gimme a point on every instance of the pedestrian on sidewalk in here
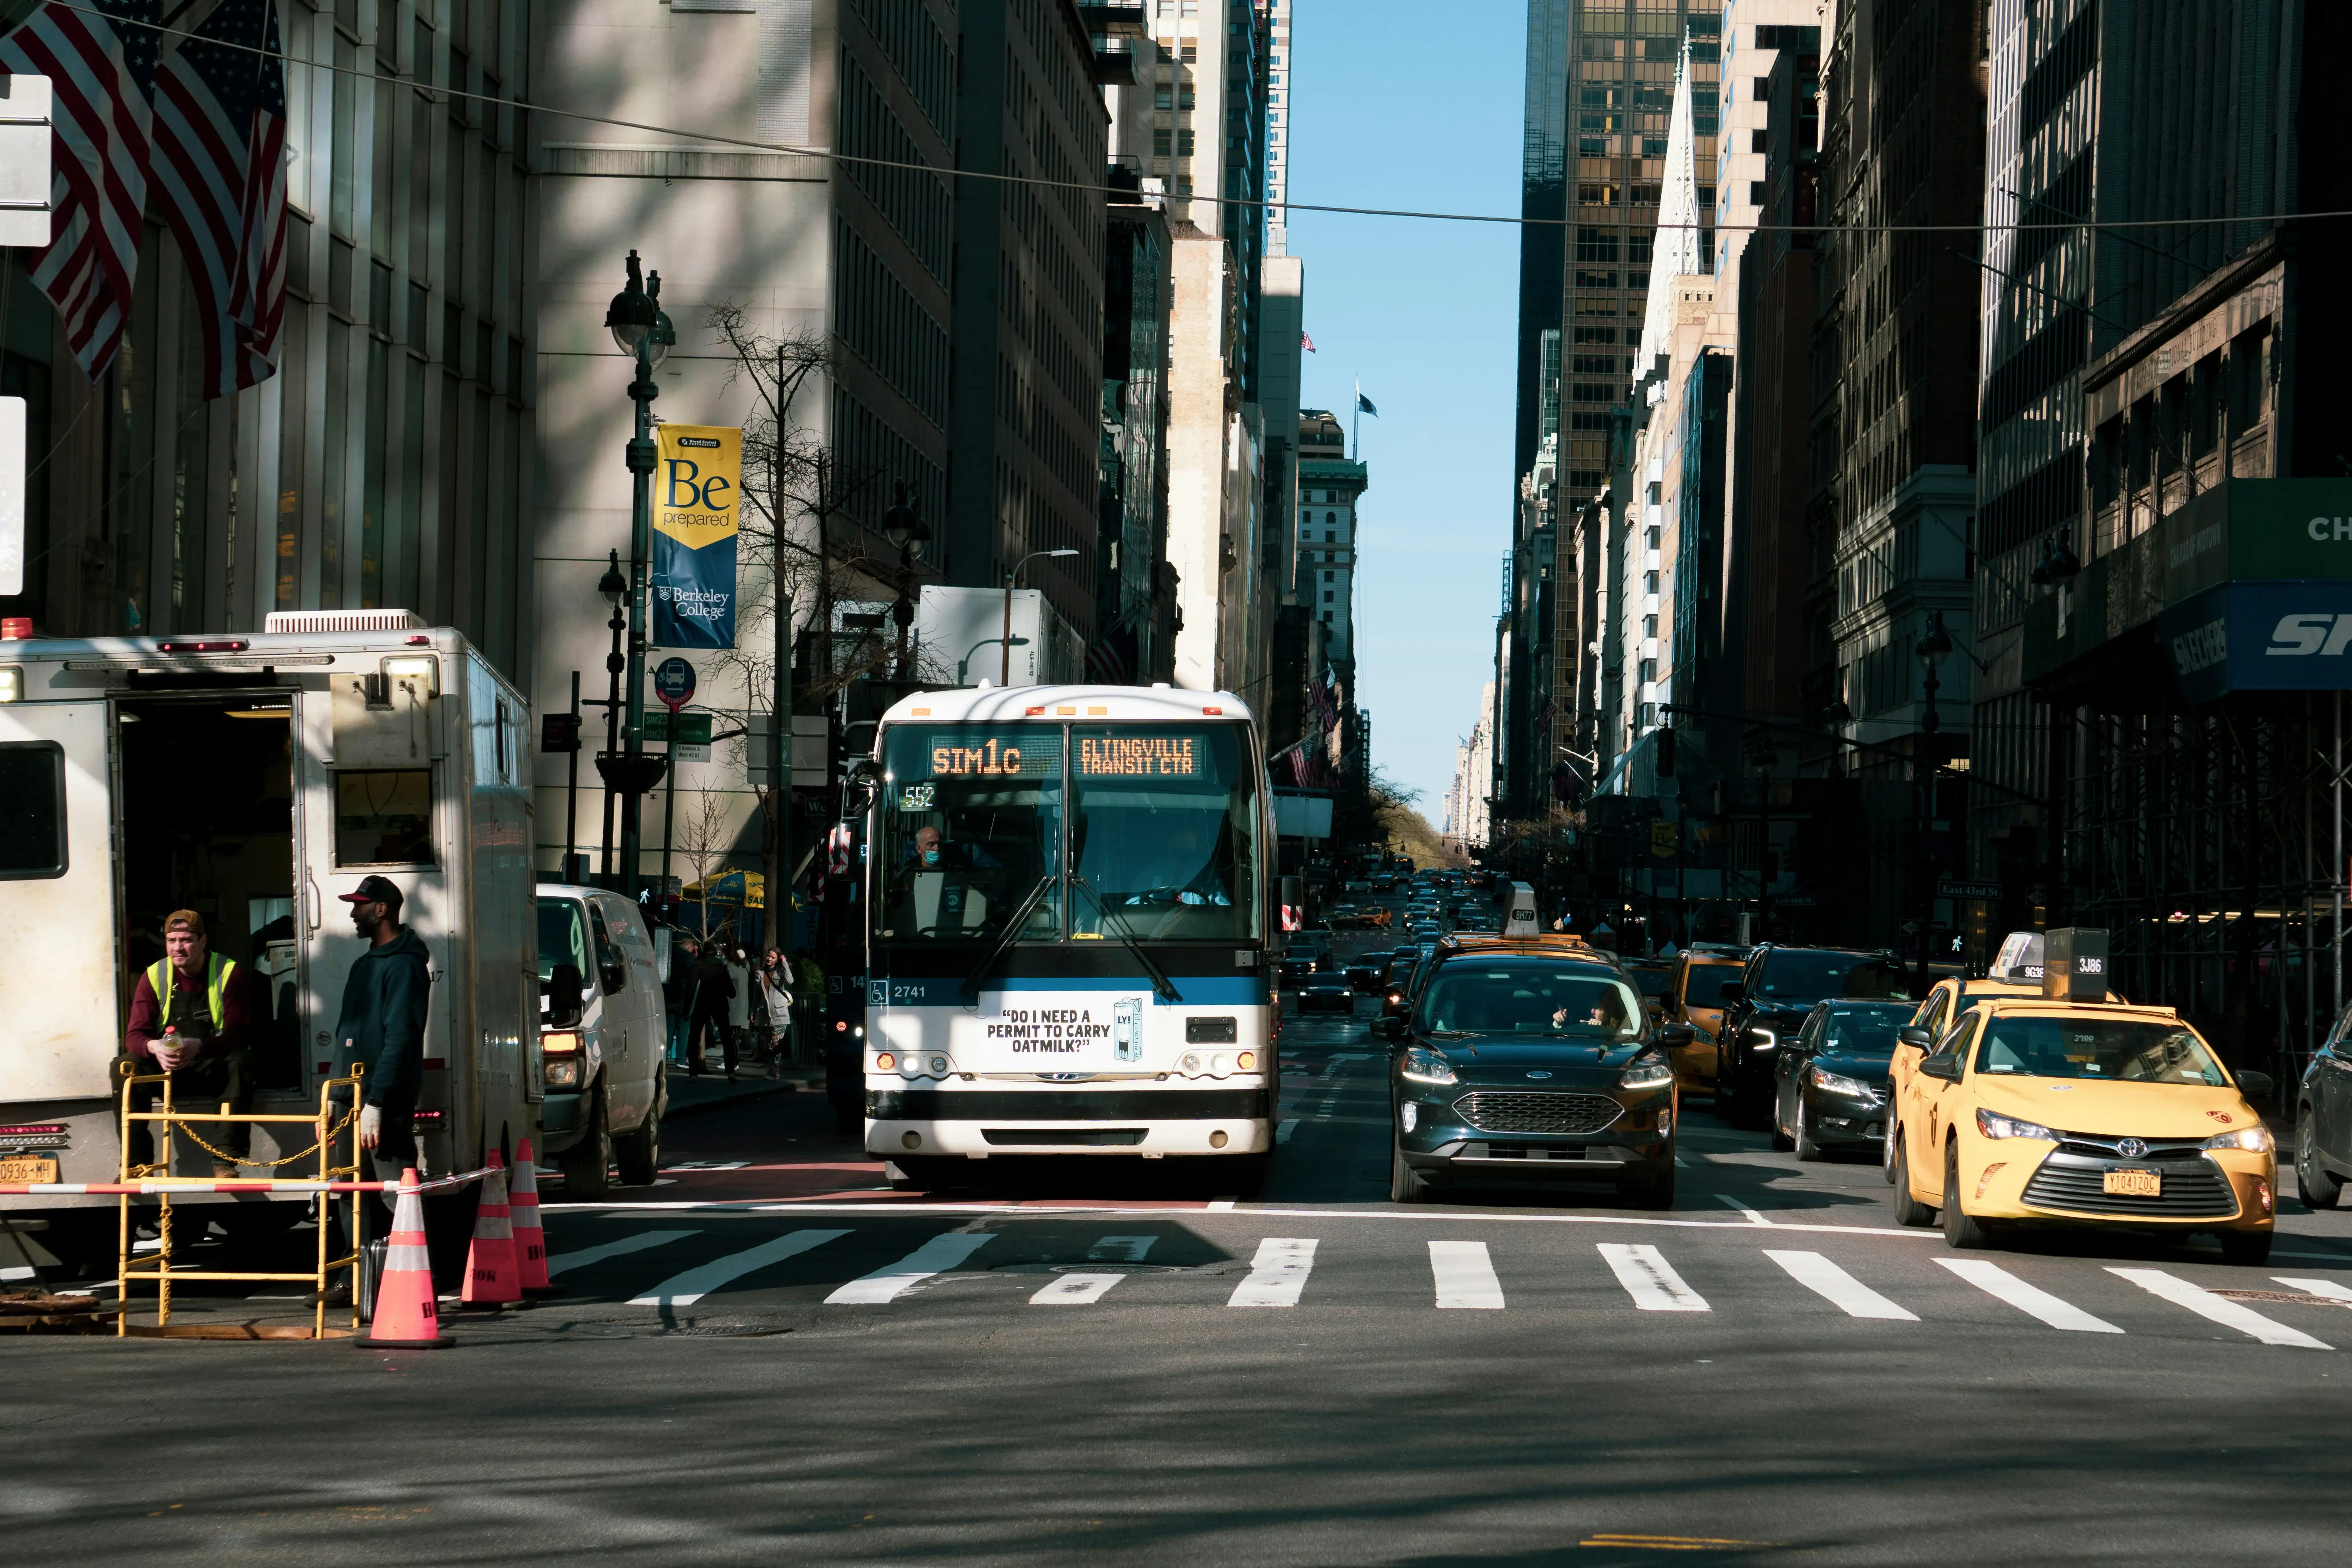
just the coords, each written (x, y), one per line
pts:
(707, 1015)
(677, 995)
(738, 1005)
(776, 1002)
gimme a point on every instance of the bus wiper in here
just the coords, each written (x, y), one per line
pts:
(1004, 938)
(1118, 928)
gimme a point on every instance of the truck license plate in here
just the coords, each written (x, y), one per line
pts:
(2136, 1183)
(29, 1167)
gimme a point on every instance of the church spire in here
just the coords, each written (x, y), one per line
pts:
(1675, 250)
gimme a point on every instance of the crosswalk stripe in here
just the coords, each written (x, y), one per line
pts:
(621, 1248)
(2334, 1290)
(1277, 1274)
(1649, 1279)
(1120, 1250)
(1282, 1133)
(684, 1289)
(893, 1280)
(1840, 1289)
(1075, 1290)
(2213, 1308)
(1465, 1274)
(1999, 1283)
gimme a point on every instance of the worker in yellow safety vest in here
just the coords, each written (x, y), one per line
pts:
(192, 1015)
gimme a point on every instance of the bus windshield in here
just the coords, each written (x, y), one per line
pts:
(1161, 831)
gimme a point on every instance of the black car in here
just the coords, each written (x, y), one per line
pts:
(2323, 1120)
(1369, 971)
(1769, 1003)
(1830, 1084)
(1326, 994)
(1529, 1066)
(1308, 952)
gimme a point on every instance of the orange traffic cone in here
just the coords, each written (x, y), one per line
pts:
(491, 1279)
(531, 1241)
(404, 1318)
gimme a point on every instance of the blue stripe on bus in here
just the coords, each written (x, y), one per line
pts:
(1196, 991)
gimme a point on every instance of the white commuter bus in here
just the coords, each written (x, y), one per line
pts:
(255, 777)
(1069, 941)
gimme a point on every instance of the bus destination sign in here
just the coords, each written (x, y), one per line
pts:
(1139, 756)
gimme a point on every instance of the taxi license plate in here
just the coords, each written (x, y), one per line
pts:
(29, 1167)
(2136, 1183)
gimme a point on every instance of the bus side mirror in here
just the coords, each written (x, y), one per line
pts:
(565, 1001)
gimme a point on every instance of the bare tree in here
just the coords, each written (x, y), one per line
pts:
(703, 843)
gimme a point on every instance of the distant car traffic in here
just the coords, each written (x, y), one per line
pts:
(1326, 994)
(1830, 1086)
(1308, 952)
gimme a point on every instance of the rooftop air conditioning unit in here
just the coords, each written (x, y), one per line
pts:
(303, 622)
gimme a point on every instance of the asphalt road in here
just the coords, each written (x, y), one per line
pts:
(772, 1358)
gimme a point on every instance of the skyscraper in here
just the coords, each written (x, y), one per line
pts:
(1543, 184)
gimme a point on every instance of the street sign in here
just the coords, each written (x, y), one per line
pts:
(1950, 888)
(812, 747)
(674, 683)
(679, 730)
(560, 732)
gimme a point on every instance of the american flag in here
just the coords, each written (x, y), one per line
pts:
(220, 141)
(1111, 660)
(101, 62)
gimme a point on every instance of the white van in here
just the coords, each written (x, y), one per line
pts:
(256, 778)
(604, 1037)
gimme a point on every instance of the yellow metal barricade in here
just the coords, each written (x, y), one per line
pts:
(155, 1268)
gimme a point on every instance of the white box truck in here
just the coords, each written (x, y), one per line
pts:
(255, 778)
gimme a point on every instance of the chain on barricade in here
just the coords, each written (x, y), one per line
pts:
(197, 1139)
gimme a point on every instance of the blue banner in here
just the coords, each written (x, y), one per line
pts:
(696, 484)
(2262, 636)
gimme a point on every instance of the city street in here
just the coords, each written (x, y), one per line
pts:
(772, 1357)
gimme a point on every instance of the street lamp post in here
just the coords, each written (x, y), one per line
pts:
(1005, 675)
(615, 589)
(1935, 646)
(641, 330)
(905, 530)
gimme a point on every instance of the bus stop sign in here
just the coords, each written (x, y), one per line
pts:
(674, 683)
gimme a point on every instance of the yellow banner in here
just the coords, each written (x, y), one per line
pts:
(697, 482)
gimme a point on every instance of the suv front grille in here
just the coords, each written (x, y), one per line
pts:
(2079, 1185)
(1538, 1110)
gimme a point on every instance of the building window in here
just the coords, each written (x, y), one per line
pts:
(1755, 193)
(1327, 599)
(1648, 672)
(1650, 584)
(1327, 577)
(1650, 628)
(1756, 140)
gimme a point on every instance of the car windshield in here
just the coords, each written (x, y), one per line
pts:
(1863, 1029)
(2132, 1050)
(563, 938)
(1653, 981)
(1530, 996)
(1803, 976)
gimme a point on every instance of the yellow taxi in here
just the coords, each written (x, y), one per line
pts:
(2032, 1110)
(1695, 996)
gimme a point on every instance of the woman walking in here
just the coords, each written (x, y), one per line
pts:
(775, 994)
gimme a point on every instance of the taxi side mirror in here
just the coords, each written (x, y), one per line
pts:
(2255, 1085)
(1914, 1036)
(1675, 1037)
(1731, 992)
(1942, 1065)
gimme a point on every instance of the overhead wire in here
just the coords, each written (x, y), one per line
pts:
(702, 140)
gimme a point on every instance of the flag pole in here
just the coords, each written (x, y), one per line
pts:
(1355, 419)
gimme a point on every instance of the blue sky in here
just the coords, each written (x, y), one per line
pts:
(1401, 105)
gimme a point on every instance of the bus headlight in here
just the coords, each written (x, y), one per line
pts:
(1191, 1061)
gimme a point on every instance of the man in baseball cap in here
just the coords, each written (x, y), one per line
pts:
(383, 1023)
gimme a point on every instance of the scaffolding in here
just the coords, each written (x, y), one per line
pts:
(2211, 846)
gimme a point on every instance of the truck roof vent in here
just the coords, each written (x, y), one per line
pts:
(303, 621)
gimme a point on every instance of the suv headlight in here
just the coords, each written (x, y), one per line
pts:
(2256, 1140)
(1838, 1083)
(1646, 1072)
(1422, 1065)
(1993, 1126)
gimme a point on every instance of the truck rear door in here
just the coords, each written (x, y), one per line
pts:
(64, 992)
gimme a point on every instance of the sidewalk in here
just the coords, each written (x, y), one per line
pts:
(689, 1094)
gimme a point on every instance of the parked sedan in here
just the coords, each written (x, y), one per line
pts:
(1830, 1087)
(1529, 1065)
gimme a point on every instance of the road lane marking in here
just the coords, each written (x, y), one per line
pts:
(1277, 1274)
(1837, 1287)
(2213, 1308)
(1075, 1290)
(2333, 1289)
(1729, 1202)
(1999, 1283)
(1282, 1133)
(1649, 1279)
(684, 1289)
(893, 1280)
(621, 1248)
(1120, 1250)
(1465, 1274)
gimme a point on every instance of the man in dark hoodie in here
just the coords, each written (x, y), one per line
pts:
(382, 1024)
